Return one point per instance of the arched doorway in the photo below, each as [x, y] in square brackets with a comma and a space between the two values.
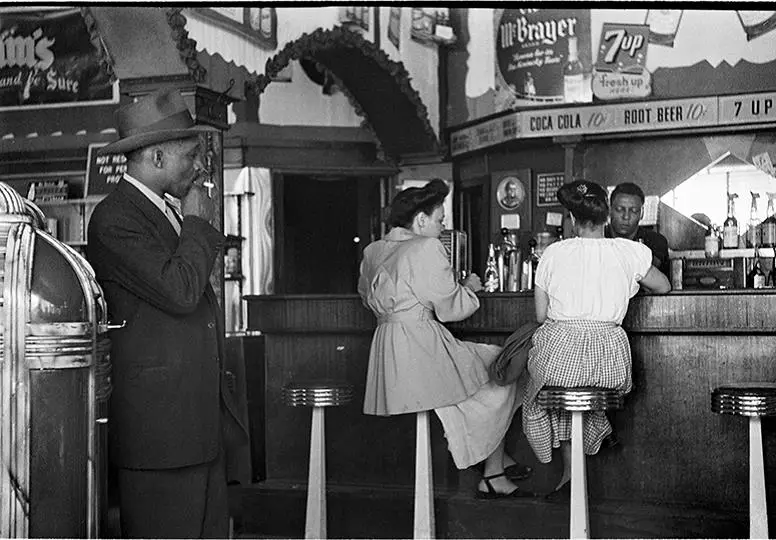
[330, 185]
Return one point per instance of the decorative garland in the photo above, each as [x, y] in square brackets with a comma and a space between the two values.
[106, 60]
[320, 39]
[187, 47]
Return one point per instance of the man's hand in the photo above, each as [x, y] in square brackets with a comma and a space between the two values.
[197, 203]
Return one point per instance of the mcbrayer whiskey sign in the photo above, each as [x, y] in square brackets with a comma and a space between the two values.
[47, 58]
[543, 55]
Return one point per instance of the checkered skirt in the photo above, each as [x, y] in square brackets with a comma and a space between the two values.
[573, 353]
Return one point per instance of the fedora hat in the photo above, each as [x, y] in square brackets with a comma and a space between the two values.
[158, 117]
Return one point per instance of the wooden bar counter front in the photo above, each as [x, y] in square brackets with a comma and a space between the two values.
[680, 469]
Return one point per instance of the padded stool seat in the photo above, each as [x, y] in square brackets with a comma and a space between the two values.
[578, 400]
[317, 394]
[754, 400]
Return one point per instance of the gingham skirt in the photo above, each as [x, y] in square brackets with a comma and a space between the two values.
[573, 353]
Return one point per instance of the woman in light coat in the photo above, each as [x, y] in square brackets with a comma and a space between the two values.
[415, 364]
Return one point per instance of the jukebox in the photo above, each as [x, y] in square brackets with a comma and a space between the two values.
[54, 381]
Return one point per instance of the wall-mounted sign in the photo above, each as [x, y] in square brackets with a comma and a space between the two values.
[432, 25]
[757, 23]
[747, 109]
[543, 55]
[608, 85]
[547, 186]
[614, 118]
[764, 163]
[103, 172]
[257, 24]
[356, 16]
[663, 25]
[47, 59]
[620, 68]
[394, 26]
[622, 48]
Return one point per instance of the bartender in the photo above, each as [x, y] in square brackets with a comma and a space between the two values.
[626, 208]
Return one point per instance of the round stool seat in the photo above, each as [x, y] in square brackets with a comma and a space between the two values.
[745, 399]
[322, 393]
[581, 398]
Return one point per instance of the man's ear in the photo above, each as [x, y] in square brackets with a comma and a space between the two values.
[157, 157]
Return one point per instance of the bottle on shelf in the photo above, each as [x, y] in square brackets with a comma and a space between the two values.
[730, 227]
[528, 272]
[573, 74]
[753, 232]
[769, 225]
[771, 281]
[711, 242]
[755, 279]
[491, 271]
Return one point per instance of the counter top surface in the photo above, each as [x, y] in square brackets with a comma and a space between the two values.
[524, 294]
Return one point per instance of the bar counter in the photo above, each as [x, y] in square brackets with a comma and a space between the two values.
[674, 451]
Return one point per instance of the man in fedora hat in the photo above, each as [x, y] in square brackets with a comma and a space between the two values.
[171, 409]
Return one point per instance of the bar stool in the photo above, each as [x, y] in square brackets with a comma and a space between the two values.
[577, 401]
[317, 394]
[423, 525]
[753, 400]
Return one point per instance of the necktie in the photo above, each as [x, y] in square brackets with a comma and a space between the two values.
[173, 217]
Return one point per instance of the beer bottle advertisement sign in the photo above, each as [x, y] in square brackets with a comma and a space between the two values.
[537, 50]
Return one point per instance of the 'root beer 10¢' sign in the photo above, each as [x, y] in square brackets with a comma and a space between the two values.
[537, 50]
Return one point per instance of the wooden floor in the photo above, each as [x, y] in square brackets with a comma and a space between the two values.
[277, 509]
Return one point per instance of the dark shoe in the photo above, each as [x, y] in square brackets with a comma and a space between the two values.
[518, 472]
[560, 495]
[493, 494]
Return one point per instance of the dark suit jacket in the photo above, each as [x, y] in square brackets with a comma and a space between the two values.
[170, 401]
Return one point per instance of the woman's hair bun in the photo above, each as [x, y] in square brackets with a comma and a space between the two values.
[587, 201]
[411, 201]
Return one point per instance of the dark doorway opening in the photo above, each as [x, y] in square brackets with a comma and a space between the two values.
[324, 223]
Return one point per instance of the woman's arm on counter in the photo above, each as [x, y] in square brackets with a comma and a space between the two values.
[541, 301]
[655, 281]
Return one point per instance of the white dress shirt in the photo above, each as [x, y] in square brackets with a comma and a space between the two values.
[165, 207]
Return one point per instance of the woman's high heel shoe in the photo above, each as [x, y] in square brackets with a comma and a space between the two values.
[493, 494]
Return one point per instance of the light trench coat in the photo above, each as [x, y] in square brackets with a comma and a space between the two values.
[415, 363]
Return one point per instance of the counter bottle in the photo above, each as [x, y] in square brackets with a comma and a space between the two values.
[491, 271]
[771, 281]
[755, 279]
[769, 225]
[528, 272]
[753, 232]
[730, 227]
[711, 243]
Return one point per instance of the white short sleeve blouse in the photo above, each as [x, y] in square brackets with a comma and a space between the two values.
[592, 278]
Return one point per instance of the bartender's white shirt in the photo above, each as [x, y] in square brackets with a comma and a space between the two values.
[158, 201]
[592, 278]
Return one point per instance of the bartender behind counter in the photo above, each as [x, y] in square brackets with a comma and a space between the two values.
[626, 209]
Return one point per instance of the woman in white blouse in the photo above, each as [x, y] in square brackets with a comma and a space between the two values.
[583, 286]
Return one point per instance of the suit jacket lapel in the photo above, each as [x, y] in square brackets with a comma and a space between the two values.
[150, 211]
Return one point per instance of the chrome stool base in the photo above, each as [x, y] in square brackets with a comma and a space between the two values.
[423, 526]
[317, 394]
[753, 400]
[577, 401]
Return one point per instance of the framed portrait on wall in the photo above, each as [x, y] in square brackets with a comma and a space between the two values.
[511, 199]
